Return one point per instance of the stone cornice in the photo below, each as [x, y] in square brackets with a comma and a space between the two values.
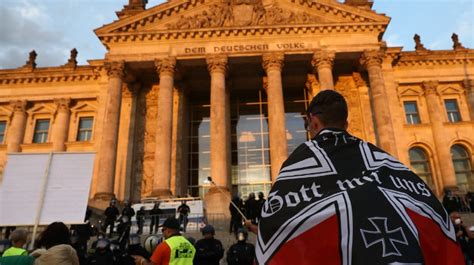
[431, 58]
[50, 75]
[206, 33]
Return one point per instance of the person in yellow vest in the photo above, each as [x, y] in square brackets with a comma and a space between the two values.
[174, 250]
[18, 238]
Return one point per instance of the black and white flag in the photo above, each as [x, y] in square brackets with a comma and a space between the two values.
[340, 200]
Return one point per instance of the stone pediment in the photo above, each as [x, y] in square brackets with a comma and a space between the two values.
[188, 15]
[410, 92]
[450, 90]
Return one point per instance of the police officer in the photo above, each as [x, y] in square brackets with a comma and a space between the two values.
[175, 250]
[128, 210]
[111, 214]
[209, 251]
[260, 203]
[140, 219]
[241, 253]
[155, 218]
[251, 207]
[184, 211]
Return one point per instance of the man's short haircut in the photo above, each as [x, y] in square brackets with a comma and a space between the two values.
[330, 107]
[19, 235]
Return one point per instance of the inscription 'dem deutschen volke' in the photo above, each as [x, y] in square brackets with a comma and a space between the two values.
[244, 48]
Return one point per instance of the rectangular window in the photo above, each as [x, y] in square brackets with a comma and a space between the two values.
[411, 112]
[3, 126]
[41, 131]
[84, 132]
[452, 110]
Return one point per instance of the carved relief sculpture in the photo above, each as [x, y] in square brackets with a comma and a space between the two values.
[240, 13]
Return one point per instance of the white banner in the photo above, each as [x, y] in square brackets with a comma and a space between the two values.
[66, 191]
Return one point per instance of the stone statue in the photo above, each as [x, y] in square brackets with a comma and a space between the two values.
[72, 62]
[457, 45]
[418, 45]
[31, 63]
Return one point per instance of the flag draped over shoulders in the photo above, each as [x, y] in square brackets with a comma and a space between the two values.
[340, 200]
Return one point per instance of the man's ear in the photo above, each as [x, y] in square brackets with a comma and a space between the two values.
[316, 124]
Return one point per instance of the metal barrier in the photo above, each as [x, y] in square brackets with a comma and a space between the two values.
[194, 223]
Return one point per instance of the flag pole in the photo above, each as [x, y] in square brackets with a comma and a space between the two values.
[209, 180]
[41, 199]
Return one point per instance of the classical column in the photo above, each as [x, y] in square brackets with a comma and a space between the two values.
[16, 132]
[108, 145]
[61, 124]
[443, 153]
[372, 60]
[273, 64]
[323, 62]
[164, 127]
[125, 145]
[220, 144]
[469, 85]
[220, 168]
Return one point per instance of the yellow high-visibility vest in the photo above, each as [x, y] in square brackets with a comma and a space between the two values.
[182, 252]
[13, 251]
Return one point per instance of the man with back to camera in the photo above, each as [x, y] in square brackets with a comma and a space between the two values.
[175, 249]
[18, 239]
[209, 251]
[340, 200]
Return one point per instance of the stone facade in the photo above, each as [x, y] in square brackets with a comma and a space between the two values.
[161, 58]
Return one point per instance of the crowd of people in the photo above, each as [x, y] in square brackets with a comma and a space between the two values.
[251, 208]
[60, 246]
[113, 244]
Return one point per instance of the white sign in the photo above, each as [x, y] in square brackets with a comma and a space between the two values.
[66, 190]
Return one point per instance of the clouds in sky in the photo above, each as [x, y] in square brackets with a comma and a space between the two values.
[54, 27]
[24, 26]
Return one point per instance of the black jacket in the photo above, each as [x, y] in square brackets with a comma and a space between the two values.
[241, 253]
[208, 252]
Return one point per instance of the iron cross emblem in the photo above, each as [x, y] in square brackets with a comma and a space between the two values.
[382, 234]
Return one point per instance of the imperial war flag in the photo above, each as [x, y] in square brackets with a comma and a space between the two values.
[340, 200]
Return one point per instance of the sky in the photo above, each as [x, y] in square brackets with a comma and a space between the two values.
[54, 27]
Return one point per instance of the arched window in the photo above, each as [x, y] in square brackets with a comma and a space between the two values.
[462, 167]
[421, 165]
